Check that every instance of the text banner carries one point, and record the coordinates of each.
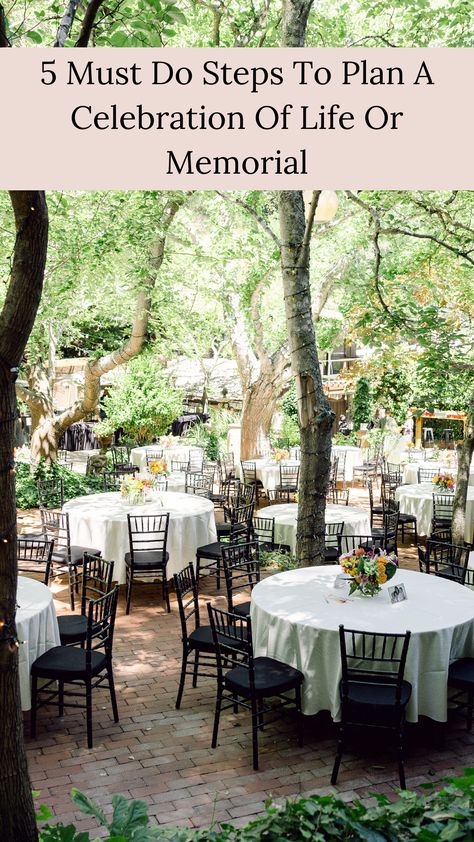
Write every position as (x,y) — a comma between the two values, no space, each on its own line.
(236,119)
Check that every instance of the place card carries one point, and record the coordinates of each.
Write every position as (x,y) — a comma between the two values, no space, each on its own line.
(397,593)
(332,599)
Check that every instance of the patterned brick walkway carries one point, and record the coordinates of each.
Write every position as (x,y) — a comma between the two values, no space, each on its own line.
(164,756)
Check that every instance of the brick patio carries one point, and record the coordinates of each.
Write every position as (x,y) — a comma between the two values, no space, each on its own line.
(164,757)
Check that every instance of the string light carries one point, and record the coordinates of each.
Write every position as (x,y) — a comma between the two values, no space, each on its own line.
(6,633)
(7,533)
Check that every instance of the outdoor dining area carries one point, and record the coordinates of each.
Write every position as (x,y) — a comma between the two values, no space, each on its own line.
(179,574)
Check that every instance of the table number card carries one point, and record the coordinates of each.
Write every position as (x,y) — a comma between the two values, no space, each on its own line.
(397,593)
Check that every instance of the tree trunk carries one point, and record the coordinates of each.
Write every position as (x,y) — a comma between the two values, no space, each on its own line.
(4,41)
(294,22)
(88,22)
(258,408)
(67,21)
(16,321)
(465,452)
(46,434)
(314,413)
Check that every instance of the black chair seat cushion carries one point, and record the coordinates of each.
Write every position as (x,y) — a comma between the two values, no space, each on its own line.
(201,638)
(210,551)
(218,498)
(77,554)
(72,628)
(331,554)
(461,674)
(372,694)
(223,528)
(242,610)
(66,663)
(291,489)
(271,677)
(147,560)
(406,518)
(377,510)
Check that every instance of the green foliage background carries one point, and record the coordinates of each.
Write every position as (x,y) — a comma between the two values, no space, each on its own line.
(143,401)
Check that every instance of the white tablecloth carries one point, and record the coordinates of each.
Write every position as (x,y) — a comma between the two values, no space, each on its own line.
(356,521)
(37,629)
(296,619)
(410,470)
(354,456)
(100,521)
(179,452)
(418,500)
(268,471)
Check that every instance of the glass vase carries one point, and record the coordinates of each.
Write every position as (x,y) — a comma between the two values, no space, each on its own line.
(136,498)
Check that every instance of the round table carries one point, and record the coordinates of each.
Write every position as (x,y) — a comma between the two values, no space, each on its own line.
(37,629)
(268,471)
(410,470)
(356,521)
(354,457)
(100,520)
(296,616)
(179,453)
(418,500)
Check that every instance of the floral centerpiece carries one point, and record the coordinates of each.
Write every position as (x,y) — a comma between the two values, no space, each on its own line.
(158,468)
(278,454)
(169,441)
(445,482)
(134,489)
(368,569)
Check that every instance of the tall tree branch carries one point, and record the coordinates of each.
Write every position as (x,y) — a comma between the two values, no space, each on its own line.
(67,21)
(237,201)
(4,39)
(88,22)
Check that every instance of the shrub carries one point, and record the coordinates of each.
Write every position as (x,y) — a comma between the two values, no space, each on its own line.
(447,814)
(201,436)
(142,401)
(74,484)
(362,403)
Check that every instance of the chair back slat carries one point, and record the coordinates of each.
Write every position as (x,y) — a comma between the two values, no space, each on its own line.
(249,472)
(264,531)
(55,526)
(426,474)
(198,484)
(241,568)
(188,600)
(100,624)
(34,556)
(376,657)
(152,454)
(449,561)
(51,493)
(97,575)
(332,534)
(349,543)
(148,533)
(179,466)
(289,476)
(232,636)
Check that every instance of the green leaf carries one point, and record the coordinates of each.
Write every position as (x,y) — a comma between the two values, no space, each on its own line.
(35,36)
(127,815)
(119,39)
(88,807)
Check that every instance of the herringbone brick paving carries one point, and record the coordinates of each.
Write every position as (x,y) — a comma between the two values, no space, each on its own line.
(163,755)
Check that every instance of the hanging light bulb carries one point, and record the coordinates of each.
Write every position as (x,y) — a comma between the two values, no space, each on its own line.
(327,206)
